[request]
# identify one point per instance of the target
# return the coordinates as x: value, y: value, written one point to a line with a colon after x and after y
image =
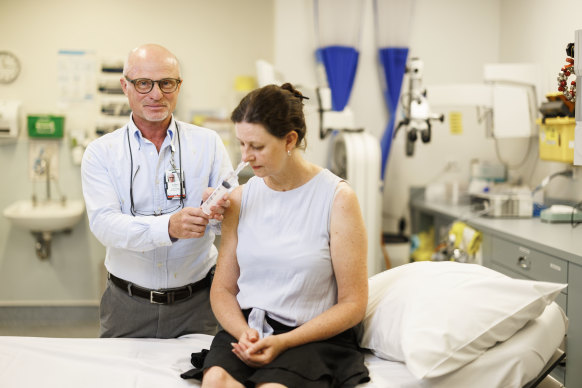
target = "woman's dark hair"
x: 277, y: 108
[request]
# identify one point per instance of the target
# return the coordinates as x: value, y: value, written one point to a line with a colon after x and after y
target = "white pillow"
x: 515, y: 362
x: 438, y: 316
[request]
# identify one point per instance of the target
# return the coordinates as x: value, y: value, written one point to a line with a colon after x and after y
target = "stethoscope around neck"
x: 131, y: 175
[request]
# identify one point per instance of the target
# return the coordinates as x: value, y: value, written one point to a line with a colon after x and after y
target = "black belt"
x: 164, y: 296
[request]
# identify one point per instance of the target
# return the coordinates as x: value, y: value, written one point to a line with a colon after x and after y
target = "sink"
x: 45, y: 216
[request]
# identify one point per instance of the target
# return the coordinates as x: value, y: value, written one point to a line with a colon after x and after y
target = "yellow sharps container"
x: 556, y: 139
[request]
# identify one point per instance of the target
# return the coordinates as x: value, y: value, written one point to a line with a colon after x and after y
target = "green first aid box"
x: 46, y: 126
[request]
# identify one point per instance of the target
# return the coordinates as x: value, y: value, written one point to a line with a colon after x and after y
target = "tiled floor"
x: 50, y: 321
x: 82, y: 330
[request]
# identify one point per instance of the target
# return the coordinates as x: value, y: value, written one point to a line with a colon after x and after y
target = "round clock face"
x: 9, y: 67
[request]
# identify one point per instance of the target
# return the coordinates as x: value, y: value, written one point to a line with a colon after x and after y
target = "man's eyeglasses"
x: 145, y: 85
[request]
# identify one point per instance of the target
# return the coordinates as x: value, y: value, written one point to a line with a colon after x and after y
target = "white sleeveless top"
x: 283, y: 251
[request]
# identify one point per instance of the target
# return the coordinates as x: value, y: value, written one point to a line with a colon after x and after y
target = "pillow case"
x: 438, y: 316
x: 515, y: 362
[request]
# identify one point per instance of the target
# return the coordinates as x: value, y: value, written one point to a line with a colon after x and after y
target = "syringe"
x: 225, y: 186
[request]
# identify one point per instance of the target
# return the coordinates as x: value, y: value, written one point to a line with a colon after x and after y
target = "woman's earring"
x: 288, y: 152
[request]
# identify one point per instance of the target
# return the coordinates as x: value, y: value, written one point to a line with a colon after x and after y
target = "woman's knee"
x: 218, y: 377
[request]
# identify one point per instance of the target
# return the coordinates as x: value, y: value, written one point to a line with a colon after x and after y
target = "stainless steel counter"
x: 557, y: 239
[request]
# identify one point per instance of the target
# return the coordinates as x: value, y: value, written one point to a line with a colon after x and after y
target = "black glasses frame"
x: 133, y: 211
x: 153, y: 82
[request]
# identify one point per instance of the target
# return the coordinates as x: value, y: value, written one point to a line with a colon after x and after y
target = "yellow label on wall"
x: 456, y: 123
x: 243, y: 83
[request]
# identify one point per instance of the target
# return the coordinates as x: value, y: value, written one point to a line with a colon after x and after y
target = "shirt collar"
x: 134, y: 130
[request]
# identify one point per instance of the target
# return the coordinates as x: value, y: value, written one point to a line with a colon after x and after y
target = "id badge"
x: 173, y: 183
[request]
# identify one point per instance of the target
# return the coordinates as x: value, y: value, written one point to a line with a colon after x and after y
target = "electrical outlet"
x: 43, y: 158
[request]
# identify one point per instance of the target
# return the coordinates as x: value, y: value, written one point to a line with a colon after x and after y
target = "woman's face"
x: 264, y: 152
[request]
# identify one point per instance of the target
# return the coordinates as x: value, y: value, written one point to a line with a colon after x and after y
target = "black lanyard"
x: 131, y: 176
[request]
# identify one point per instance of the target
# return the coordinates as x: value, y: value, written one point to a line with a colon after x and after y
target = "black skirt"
x: 335, y: 362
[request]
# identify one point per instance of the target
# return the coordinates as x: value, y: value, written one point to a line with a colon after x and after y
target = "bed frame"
x: 544, y: 380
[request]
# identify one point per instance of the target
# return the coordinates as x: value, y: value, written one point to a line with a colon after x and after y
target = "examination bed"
x: 476, y: 349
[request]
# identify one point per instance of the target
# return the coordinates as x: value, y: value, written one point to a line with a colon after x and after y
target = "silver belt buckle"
x: 154, y: 292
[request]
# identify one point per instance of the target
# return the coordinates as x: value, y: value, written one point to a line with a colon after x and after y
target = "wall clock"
x: 9, y: 67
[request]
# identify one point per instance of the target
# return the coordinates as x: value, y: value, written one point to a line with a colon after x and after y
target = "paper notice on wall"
x: 76, y: 77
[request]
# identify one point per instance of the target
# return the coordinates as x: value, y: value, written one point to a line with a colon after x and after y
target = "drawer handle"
x: 523, y: 262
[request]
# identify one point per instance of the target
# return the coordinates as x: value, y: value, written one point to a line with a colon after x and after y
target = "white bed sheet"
x: 152, y: 363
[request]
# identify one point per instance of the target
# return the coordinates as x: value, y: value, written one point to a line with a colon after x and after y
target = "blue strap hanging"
x: 393, y: 23
x: 393, y: 60
x: 338, y: 28
x: 340, y: 66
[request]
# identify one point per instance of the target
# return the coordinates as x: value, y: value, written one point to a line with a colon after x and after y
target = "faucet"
x: 569, y: 173
x: 42, y: 166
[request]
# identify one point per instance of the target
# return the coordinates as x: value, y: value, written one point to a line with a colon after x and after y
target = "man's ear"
x: 123, y: 83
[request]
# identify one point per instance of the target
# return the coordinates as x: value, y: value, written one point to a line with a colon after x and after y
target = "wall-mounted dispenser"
x: 45, y: 126
x: 9, y: 115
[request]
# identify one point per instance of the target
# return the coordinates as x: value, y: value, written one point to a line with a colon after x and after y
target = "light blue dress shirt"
x: 138, y: 247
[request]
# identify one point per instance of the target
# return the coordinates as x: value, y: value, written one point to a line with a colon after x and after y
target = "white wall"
x: 219, y: 40
x: 538, y: 31
x: 215, y: 42
x: 455, y: 39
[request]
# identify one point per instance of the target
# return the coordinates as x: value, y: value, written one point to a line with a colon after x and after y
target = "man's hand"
x: 188, y: 223
x: 191, y: 222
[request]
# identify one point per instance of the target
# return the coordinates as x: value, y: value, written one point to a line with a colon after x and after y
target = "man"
x: 160, y: 253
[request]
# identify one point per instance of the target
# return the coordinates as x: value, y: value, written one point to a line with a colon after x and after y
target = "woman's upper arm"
x: 348, y: 245
x: 227, y: 270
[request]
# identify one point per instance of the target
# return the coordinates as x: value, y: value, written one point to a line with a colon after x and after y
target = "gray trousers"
x: 122, y: 315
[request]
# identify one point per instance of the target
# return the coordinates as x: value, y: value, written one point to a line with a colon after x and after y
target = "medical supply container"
x: 556, y: 139
x: 45, y: 126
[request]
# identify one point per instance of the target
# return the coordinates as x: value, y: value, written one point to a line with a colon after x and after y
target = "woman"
x: 291, y: 278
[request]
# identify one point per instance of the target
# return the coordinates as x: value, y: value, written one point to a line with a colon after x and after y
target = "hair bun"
x: 287, y: 86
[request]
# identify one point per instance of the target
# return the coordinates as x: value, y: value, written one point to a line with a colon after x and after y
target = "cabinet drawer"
x: 561, y: 299
x: 528, y: 262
